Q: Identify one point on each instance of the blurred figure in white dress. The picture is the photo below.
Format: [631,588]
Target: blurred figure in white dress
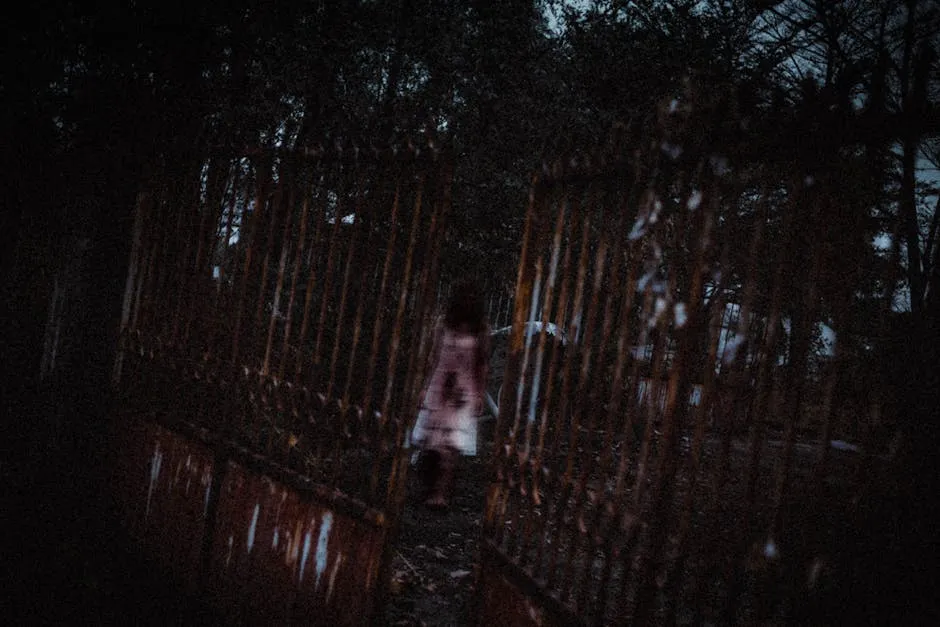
[453,397]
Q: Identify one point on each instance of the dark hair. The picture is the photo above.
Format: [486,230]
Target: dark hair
[465,308]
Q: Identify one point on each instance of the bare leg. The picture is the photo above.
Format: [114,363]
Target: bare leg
[428,468]
[443,483]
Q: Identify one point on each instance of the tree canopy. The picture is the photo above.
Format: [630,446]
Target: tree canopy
[837,100]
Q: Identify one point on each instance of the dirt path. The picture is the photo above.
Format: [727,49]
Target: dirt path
[434,567]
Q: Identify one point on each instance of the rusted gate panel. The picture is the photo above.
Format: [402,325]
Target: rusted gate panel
[508,595]
[671,463]
[163,492]
[275,325]
[287,555]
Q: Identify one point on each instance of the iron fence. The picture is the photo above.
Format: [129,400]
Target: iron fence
[281,300]
[679,276]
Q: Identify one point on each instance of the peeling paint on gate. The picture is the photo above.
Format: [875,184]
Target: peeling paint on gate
[154,471]
[288,524]
[336,565]
[155,462]
[254,524]
[278,553]
[304,555]
[323,545]
[301,561]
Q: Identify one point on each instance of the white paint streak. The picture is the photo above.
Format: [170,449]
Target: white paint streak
[529,333]
[770,549]
[323,544]
[277,517]
[842,445]
[731,348]
[336,563]
[370,571]
[639,229]
[673,151]
[536,327]
[228,557]
[293,544]
[660,307]
[207,481]
[644,280]
[176,476]
[657,208]
[682,315]
[304,554]
[534,614]
[155,462]
[253,527]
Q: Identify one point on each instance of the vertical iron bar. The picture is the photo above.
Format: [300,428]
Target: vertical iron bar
[380,304]
[613,410]
[130,284]
[597,497]
[497,492]
[351,251]
[547,317]
[255,218]
[342,428]
[397,328]
[675,411]
[548,476]
[676,575]
[310,287]
[564,482]
[295,275]
[326,293]
[279,284]
[584,394]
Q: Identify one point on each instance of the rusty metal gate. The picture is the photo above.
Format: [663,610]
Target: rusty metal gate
[681,458]
[273,337]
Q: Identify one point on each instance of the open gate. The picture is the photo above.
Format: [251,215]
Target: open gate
[670,443]
[273,339]
[680,458]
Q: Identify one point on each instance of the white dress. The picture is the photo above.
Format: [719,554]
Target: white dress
[448,415]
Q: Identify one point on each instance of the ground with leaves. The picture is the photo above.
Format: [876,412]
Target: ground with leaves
[435,561]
